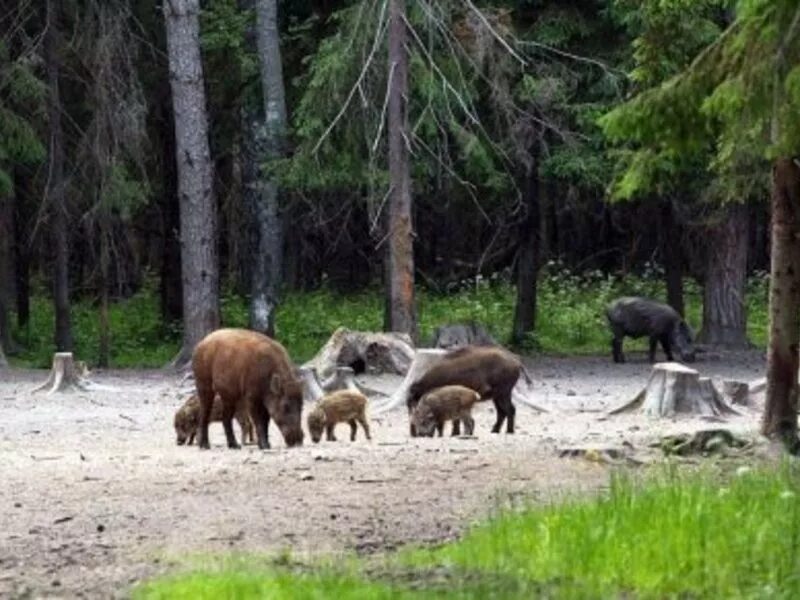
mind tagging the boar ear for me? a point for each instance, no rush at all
(276, 385)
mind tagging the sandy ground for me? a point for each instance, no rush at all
(95, 495)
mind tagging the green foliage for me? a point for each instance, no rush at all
(731, 98)
(671, 536)
(21, 103)
(138, 337)
(571, 316)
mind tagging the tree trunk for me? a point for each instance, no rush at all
(400, 310)
(671, 255)
(170, 288)
(529, 256)
(104, 350)
(56, 192)
(7, 283)
(198, 215)
(22, 256)
(264, 133)
(724, 310)
(780, 411)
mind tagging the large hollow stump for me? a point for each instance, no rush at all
(342, 379)
(312, 390)
(66, 375)
(364, 351)
(424, 359)
(676, 389)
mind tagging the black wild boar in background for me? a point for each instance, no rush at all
(638, 317)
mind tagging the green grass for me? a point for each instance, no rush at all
(570, 317)
(676, 536)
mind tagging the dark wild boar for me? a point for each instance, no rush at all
(638, 317)
(491, 371)
(448, 403)
(188, 416)
(342, 406)
(248, 370)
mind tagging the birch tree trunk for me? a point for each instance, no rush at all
(56, 192)
(780, 411)
(264, 139)
(198, 215)
(400, 310)
(724, 310)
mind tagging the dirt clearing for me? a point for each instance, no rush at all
(95, 494)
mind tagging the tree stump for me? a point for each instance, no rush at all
(364, 351)
(736, 392)
(424, 359)
(66, 375)
(676, 389)
(312, 390)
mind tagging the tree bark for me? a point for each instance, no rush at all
(56, 191)
(529, 256)
(400, 310)
(724, 309)
(264, 133)
(671, 255)
(780, 411)
(22, 184)
(7, 283)
(170, 288)
(198, 215)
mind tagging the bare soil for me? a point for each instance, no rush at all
(95, 495)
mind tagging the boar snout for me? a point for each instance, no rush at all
(293, 436)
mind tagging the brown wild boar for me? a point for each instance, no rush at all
(447, 403)
(251, 371)
(491, 371)
(338, 407)
(188, 416)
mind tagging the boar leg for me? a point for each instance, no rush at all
(456, 427)
(469, 424)
(440, 428)
(505, 410)
(616, 349)
(260, 416)
(353, 428)
(228, 410)
(364, 425)
(206, 396)
(667, 347)
(653, 344)
(329, 432)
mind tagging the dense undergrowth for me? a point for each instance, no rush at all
(570, 317)
(673, 536)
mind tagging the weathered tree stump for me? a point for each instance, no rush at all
(364, 351)
(312, 390)
(424, 359)
(66, 375)
(736, 392)
(676, 389)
